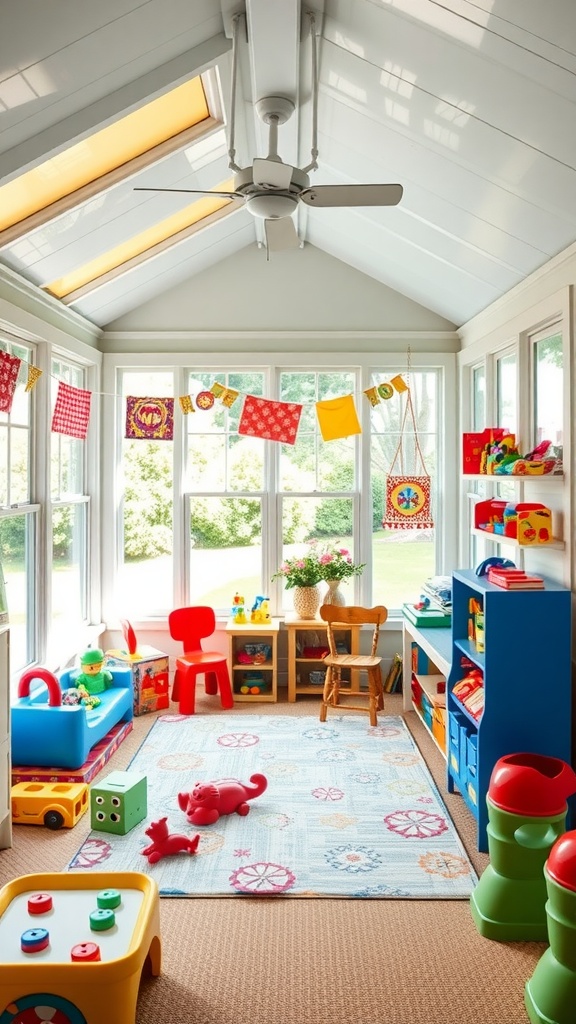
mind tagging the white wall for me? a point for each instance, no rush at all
(306, 291)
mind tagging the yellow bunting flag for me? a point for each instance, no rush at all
(385, 390)
(33, 374)
(186, 404)
(229, 397)
(399, 383)
(337, 418)
(372, 396)
(218, 390)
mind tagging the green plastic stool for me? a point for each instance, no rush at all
(550, 994)
(527, 812)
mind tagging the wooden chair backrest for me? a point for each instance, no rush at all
(353, 615)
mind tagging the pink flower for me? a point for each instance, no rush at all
(325, 559)
(344, 552)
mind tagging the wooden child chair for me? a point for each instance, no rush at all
(370, 664)
(191, 626)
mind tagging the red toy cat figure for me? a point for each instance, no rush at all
(163, 844)
(208, 800)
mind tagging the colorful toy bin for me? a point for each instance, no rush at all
(527, 812)
(550, 994)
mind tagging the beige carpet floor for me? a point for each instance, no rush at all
(306, 961)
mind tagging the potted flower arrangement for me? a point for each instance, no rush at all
(330, 563)
(337, 565)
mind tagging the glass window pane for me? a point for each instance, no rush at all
(219, 459)
(226, 550)
(145, 573)
(478, 398)
(69, 583)
(548, 390)
(506, 392)
(403, 558)
(18, 564)
(325, 520)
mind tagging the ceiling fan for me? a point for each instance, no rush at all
(270, 189)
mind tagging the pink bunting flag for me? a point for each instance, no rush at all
(274, 421)
(9, 368)
(71, 412)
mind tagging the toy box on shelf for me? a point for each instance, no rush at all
(523, 522)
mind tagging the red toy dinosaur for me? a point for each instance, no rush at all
(208, 800)
(163, 844)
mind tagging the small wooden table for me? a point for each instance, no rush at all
(242, 636)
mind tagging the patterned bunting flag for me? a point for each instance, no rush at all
(186, 404)
(71, 412)
(274, 421)
(150, 419)
(34, 373)
(9, 367)
(337, 418)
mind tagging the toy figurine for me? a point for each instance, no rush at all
(207, 801)
(165, 845)
(79, 695)
(93, 677)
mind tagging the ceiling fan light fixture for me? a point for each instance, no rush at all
(271, 207)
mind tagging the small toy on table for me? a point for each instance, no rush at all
(165, 844)
(260, 611)
(239, 610)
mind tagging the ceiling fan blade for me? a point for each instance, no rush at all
(192, 191)
(271, 173)
(352, 195)
(280, 235)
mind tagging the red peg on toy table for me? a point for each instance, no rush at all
(129, 638)
(165, 845)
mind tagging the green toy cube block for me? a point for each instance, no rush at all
(118, 803)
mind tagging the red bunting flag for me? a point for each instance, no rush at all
(9, 368)
(274, 421)
(71, 412)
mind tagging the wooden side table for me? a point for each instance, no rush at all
(306, 641)
(242, 639)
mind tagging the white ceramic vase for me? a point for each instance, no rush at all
(306, 602)
(334, 595)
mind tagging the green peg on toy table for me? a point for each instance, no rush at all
(93, 677)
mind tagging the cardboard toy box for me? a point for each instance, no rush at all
(149, 677)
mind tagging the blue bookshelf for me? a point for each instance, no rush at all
(527, 683)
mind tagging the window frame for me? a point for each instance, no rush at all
(363, 365)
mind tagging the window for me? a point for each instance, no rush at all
(214, 512)
(69, 522)
(478, 398)
(403, 559)
(225, 493)
(548, 385)
(144, 581)
(18, 516)
(317, 481)
(506, 392)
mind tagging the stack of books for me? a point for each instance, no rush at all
(514, 579)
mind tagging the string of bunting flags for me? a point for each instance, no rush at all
(149, 418)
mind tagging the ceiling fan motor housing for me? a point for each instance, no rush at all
(270, 204)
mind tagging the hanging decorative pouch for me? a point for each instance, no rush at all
(408, 494)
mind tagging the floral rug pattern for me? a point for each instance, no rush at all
(349, 811)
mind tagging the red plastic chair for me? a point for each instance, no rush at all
(191, 626)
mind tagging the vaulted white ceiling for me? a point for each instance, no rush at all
(471, 106)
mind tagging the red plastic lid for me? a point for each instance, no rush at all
(41, 903)
(561, 863)
(531, 784)
(85, 952)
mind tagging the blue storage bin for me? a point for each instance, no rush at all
(455, 723)
(427, 711)
(472, 768)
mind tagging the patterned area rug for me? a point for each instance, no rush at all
(349, 811)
